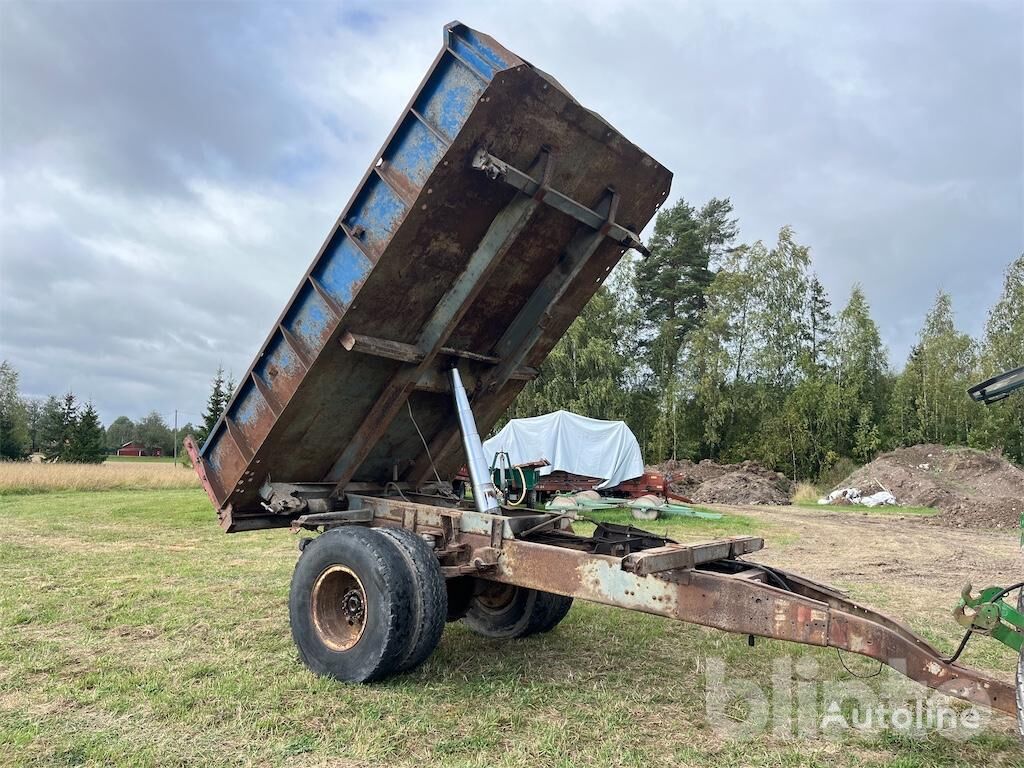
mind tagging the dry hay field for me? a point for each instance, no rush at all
(133, 632)
(27, 477)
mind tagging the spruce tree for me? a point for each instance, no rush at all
(214, 407)
(86, 442)
(58, 421)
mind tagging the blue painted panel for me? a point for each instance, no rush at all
(449, 96)
(213, 449)
(247, 405)
(310, 319)
(377, 210)
(471, 47)
(415, 151)
(279, 356)
(342, 269)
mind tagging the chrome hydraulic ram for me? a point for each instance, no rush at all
(485, 495)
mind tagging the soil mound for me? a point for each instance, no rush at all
(972, 488)
(711, 483)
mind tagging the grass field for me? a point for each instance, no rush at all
(134, 633)
(883, 510)
(18, 477)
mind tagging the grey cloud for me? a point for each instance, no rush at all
(169, 169)
(136, 95)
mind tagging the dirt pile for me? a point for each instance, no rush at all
(972, 488)
(710, 483)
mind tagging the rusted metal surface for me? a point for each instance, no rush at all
(649, 482)
(674, 556)
(812, 616)
(416, 259)
(709, 586)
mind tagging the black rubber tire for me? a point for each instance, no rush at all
(430, 609)
(504, 612)
(558, 608)
(388, 587)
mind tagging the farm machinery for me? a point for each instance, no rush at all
(987, 613)
(493, 212)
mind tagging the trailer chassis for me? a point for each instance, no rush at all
(710, 584)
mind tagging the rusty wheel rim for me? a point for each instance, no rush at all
(496, 597)
(339, 607)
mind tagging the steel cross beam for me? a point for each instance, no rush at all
(502, 233)
(529, 325)
(499, 169)
(524, 331)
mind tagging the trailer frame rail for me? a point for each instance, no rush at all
(710, 583)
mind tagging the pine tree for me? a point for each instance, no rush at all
(669, 286)
(214, 407)
(58, 421)
(819, 324)
(86, 442)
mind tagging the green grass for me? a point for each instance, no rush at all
(883, 510)
(134, 633)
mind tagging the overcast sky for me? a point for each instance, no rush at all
(169, 170)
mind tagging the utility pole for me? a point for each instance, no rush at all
(175, 435)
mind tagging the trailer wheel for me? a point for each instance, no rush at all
(430, 608)
(558, 609)
(351, 605)
(503, 611)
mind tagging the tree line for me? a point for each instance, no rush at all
(707, 348)
(60, 428)
(710, 348)
(64, 429)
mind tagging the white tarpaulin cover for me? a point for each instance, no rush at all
(592, 447)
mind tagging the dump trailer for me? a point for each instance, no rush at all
(493, 212)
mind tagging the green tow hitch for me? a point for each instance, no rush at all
(987, 614)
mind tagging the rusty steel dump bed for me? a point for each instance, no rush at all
(491, 215)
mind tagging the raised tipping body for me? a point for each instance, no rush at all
(489, 218)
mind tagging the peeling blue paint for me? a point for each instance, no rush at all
(415, 151)
(341, 270)
(377, 210)
(449, 96)
(310, 319)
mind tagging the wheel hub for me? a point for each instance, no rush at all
(496, 597)
(338, 607)
(352, 605)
